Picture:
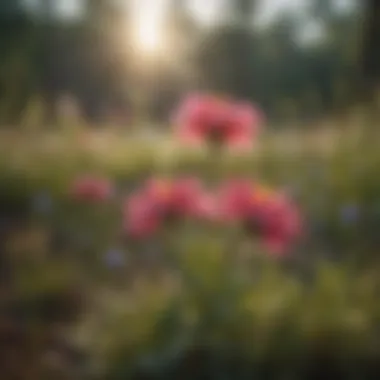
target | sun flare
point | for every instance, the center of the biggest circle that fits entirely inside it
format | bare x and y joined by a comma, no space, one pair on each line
148,16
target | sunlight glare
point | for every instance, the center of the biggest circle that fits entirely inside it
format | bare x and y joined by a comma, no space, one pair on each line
205,12
148,24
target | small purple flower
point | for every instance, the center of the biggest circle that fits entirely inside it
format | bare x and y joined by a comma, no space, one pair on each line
349,214
115,258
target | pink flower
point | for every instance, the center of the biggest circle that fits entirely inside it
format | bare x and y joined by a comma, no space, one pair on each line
206,207
262,211
204,118
281,224
141,217
163,201
234,200
91,189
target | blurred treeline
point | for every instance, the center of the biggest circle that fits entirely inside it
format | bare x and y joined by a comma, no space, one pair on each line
302,64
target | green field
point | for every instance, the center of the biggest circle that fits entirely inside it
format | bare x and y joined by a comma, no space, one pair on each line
197,303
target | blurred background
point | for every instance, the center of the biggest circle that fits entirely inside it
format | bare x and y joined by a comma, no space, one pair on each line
89,86
300,60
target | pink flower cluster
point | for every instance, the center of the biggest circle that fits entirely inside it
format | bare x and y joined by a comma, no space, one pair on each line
262,212
204,118
161,201
266,214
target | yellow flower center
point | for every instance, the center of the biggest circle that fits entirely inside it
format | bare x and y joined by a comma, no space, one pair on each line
162,189
262,194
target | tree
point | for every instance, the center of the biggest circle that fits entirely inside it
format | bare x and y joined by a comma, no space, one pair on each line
371,53
10,7
17,69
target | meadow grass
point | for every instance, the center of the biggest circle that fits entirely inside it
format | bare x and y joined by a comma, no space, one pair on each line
280,318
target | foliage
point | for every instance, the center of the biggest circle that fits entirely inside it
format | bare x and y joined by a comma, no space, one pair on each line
93,60
193,303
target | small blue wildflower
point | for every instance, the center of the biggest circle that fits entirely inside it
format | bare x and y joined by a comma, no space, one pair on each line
349,214
115,258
